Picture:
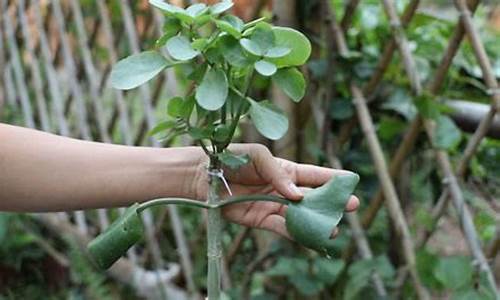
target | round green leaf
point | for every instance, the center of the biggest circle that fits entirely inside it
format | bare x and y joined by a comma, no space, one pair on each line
277,52
212,93
196,9
269,120
296,41
175,107
292,82
265,68
180,48
251,47
233,52
169,8
263,36
137,69
221,7
312,220
235,22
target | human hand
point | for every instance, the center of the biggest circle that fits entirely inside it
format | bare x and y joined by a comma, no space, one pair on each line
266,174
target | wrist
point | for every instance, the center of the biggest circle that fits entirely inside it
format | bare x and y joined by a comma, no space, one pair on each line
180,171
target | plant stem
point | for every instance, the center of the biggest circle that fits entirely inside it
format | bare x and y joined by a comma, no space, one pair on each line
220,204
214,244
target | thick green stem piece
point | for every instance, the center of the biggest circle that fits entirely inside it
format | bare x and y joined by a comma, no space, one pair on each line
214,244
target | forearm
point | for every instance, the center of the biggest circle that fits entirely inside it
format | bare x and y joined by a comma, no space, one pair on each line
45,172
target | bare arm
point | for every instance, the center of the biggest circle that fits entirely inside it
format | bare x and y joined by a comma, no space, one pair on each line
46,172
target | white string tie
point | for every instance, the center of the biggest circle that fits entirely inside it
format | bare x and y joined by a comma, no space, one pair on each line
220,175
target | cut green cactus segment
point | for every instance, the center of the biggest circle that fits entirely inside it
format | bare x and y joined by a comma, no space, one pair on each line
312,220
112,244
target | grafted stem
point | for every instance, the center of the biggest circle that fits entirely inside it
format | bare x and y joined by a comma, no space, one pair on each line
214,237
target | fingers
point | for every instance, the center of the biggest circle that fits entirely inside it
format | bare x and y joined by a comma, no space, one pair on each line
276,224
335,233
272,171
352,204
310,175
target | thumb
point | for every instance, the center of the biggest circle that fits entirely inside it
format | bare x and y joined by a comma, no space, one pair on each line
272,172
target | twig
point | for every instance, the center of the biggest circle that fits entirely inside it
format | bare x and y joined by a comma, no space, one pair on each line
350,10
236,245
391,198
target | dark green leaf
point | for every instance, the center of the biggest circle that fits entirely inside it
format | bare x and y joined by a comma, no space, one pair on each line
233,161
199,44
110,245
341,109
401,102
311,221
198,73
360,273
447,135
292,82
287,266
454,272
269,120
265,68
137,69
222,133
212,93
427,107
228,28
180,48
389,128
236,103
200,133
214,55
180,108
221,7
233,52
294,40
328,270
171,28
306,284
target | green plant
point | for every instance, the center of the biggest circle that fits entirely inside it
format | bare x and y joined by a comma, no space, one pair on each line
220,55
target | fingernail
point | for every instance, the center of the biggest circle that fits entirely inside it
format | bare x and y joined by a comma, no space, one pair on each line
295,189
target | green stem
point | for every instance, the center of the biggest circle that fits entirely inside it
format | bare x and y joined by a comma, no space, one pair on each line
214,241
221,204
